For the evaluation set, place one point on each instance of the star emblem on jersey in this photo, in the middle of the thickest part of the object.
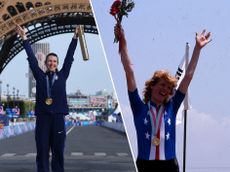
(146, 121)
(167, 136)
(147, 136)
(169, 121)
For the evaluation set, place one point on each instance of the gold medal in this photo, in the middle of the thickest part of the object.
(156, 141)
(49, 101)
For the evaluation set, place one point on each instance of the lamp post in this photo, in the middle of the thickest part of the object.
(17, 94)
(13, 97)
(7, 94)
(8, 99)
(0, 91)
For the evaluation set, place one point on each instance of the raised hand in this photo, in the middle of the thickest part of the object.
(202, 39)
(120, 36)
(21, 31)
(77, 30)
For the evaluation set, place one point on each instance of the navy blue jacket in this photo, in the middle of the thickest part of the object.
(58, 92)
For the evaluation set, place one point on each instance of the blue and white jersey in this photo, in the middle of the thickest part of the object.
(167, 147)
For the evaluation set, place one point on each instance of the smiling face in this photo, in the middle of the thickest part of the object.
(161, 91)
(159, 87)
(51, 63)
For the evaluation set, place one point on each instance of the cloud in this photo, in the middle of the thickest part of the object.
(208, 141)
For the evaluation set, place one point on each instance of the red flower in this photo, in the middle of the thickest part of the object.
(115, 8)
(119, 9)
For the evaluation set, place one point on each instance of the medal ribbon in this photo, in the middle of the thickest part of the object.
(49, 88)
(155, 118)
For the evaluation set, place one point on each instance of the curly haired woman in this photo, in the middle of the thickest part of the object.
(155, 115)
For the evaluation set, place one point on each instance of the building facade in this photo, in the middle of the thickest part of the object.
(40, 50)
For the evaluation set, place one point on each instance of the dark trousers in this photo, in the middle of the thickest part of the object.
(50, 134)
(157, 165)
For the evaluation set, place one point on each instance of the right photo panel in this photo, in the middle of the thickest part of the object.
(169, 63)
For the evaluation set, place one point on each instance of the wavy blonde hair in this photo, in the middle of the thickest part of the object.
(157, 76)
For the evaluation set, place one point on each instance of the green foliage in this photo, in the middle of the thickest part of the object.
(24, 106)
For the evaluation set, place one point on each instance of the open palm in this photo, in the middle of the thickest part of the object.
(20, 30)
(203, 39)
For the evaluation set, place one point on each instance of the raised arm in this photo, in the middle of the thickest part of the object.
(125, 59)
(70, 53)
(201, 40)
(21, 31)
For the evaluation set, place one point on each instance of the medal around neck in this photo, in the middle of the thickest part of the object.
(49, 101)
(155, 119)
(156, 141)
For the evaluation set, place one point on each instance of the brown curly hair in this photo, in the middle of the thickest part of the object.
(159, 74)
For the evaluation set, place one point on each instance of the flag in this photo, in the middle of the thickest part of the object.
(179, 75)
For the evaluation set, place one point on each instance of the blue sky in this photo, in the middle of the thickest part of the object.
(88, 76)
(157, 32)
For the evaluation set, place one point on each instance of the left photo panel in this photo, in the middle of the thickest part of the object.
(58, 107)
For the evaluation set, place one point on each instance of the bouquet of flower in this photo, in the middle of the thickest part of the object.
(119, 9)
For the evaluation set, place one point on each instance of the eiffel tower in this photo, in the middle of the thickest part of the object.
(42, 19)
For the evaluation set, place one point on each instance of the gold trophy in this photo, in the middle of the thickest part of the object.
(84, 48)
